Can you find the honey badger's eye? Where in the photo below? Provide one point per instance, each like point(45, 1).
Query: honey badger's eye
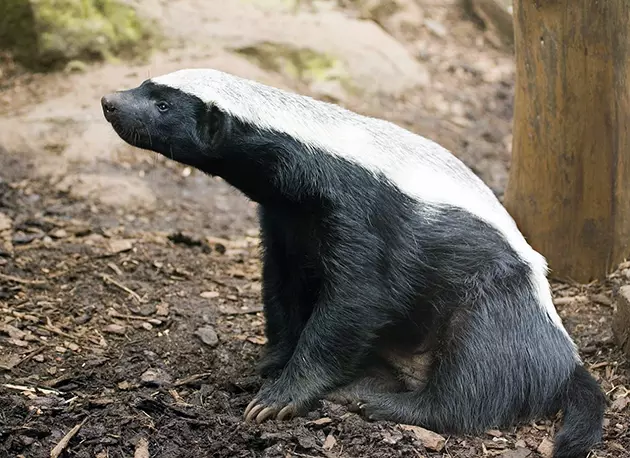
point(162, 106)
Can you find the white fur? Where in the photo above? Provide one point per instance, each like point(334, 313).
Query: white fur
point(419, 167)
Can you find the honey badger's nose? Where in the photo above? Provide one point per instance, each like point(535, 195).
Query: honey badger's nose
point(109, 103)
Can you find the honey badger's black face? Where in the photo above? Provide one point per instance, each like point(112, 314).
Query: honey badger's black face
point(165, 120)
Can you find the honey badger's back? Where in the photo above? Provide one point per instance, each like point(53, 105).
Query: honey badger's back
point(419, 167)
point(505, 355)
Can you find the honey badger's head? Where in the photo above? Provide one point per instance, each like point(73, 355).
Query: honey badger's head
point(166, 120)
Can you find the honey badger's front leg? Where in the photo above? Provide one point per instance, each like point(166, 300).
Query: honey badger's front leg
point(351, 308)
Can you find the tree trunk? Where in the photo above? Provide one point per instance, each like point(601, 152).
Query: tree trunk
point(621, 321)
point(569, 184)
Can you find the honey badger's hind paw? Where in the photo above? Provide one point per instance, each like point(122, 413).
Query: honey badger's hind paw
point(386, 407)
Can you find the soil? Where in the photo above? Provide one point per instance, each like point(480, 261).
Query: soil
point(130, 298)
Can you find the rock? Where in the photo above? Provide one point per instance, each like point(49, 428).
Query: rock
point(546, 448)
point(119, 245)
point(143, 309)
point(155, 377)
point(50, 33)
point(519, 452)
point(312, 47)
point(496, 16)
point(6, 225)
point(402, 19)
point(429, 439)
point(115, 329)
point(5, 222)
point(59, 234)
point(621, 319)
point(208, 336)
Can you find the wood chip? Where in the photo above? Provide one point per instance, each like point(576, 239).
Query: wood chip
point(563, 300)
point(142, 449)
point(330, 442)
point(322, 421)
point(620, 404)
point(13, 332)
point(546, 448)
point(601, 299)
point(161, 310)
point(63, 443)
point(257, 340)
point(429, 439)
point(21, 280)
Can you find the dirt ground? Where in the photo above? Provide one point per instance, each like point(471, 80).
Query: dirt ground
point(130, 286)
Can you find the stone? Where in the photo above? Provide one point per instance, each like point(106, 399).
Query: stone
point(208, 336)
point(155, 377)
point(47, 34)
point(519, 452)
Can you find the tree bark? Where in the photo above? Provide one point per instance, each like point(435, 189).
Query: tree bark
point(569, 184)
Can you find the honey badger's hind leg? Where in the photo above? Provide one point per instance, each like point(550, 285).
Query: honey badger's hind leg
point(501, 361)
point(392, 372)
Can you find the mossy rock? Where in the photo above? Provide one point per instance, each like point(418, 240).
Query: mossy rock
point(45, 34)
point(300, 64)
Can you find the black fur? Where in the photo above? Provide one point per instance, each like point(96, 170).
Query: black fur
point(351, 266)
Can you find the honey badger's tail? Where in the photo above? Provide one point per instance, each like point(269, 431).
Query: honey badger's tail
point(583, 404)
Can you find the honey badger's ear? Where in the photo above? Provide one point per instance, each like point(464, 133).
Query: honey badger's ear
point(219, 125)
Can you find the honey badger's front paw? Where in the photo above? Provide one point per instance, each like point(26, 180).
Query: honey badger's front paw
point(273, 402)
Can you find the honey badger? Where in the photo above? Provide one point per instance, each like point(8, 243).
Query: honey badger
point(382, 254)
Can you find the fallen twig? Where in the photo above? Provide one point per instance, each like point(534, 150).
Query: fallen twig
point(31, 389)
point(151, 320)
point(52, 328)
point(35, 352)
point(191, 379)
point(63, 443)
point(22, 281)
point(107, 279)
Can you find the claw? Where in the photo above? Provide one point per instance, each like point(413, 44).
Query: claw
point(252, 413)
point(250, 406)
point(266, 413)
point(287, 412)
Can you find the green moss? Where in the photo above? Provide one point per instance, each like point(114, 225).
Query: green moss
point(50, 33)
point(302, 64)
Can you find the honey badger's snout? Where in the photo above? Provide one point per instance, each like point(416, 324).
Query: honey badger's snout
point(112, 105)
